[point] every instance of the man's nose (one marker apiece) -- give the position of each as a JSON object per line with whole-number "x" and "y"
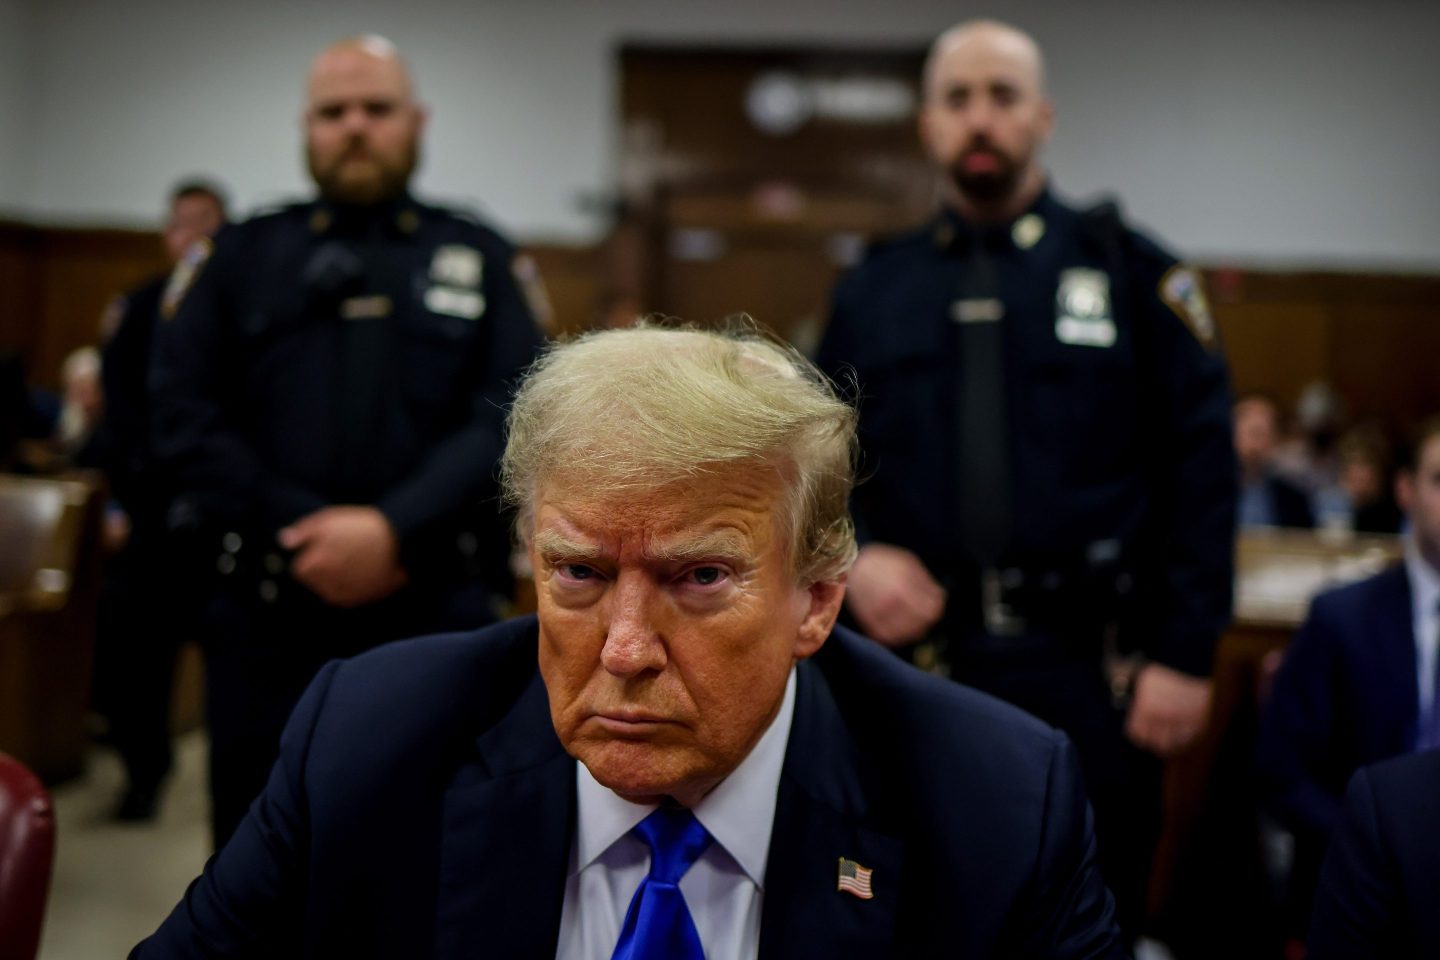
{"x": 980, "y": 115}
{"x": 355, "y": 121}
{"x": 633, "y": 643}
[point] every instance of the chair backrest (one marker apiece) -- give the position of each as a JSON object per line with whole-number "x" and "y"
{"x": 40, "y": 526}
{"x": 27, "y": 849}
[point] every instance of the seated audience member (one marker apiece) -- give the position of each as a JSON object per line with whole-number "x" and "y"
{"x": 82, "y": 406}
{"x": 1266, "y": 498}
{"x": 1365, "y": 482}
{"x": 751, "y": 780}
{"x": 1307, "y": 457}
{"x": 1380, "y": 884}
{"x": 1357, "y": 684}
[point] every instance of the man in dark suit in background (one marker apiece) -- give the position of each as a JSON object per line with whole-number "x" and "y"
{"x": 1380, "y": 884}
{"x": 148, "y": 603}
{"x": 749, "y": 782}
{"x": 1358, "y": 682}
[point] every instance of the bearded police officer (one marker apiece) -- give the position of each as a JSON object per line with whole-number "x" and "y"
{"x": 1044, "y": 415}
{"x": 329, "y": 392}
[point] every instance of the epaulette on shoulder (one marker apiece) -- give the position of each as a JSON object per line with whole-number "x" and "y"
{"x": 885, "y": 243}
{"x": 279, "y": 209}
{"x": 470, "y": 217}
{"x": 1103, "y": 222}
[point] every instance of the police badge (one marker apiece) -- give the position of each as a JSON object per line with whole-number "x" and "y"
{"x": 455, "y": 274}
{"x": 1083, "y": 316}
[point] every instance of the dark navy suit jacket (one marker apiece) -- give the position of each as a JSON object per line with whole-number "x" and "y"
{"x": 1345, "y": 696}
{"x": 422, "y": 806}
{"x": 1381, "y": 882}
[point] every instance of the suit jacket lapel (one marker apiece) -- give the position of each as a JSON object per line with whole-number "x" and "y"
{"x": 507, "y": 821}
{"x": 820, "y": 817}
{"x": 1395, "y": 634}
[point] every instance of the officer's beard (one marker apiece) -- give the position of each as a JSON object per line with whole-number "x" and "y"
{"x": 988, "y": 186}
{"x": 361, "y": 177}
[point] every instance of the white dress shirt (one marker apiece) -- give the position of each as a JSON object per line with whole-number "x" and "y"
{"x": 1425, "y": 611}
{"x": 723, "y": 890}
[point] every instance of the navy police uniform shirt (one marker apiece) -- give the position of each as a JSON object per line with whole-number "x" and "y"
{"x": 1116, "y": 400}
{"x": 325, "y": 355}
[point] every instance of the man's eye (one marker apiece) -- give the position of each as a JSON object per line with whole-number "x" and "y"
{"x": 577, "y": 571}
{"x": 707, "y": 576}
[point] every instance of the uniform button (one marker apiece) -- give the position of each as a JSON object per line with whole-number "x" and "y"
{"x": 269, "y": 592}
{"x": 225, "y": 563}
{"x": 232, "y": 542}
{"x": 274, "y": 564}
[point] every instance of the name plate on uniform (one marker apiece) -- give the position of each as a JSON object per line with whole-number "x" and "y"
{"x": 1085, "y": 333}
{"x": 987, "y": 310}
{"x": 465, "y": 304}
{"x": 365, "y": 308}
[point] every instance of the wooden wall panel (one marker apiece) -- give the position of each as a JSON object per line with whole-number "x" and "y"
{"x": 572, "y": 278}
{"x": 1276, "y": 348}
{"x": 19, "y": 287}
{"x": 83, "y": 270}
{"x": 1385, "y": 360}
{"x": 1373, "y": 337}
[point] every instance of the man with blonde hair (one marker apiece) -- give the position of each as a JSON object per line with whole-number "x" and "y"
{"x": 327, "y": 394}
{"x": 680, "y": 756}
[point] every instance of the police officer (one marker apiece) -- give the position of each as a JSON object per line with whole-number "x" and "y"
{"x": 1044, "y": 416}
{"x": 330, "y": 390}
{"x": 147, "y": 602}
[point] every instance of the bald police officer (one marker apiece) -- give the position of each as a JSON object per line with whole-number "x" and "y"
{"x": 1044, "y": 413}
{"x": 329, "y": 391}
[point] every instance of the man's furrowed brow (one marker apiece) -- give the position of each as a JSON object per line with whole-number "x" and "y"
{"x": 550, "y": 544}
{"x": 727, "y": 545}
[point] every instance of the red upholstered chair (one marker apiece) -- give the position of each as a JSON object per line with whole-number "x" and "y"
{"x": 27, "y": 847}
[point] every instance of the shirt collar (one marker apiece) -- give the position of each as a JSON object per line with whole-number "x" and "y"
{"x": 1424, "y": 579}
{"x": 739, "y": 813}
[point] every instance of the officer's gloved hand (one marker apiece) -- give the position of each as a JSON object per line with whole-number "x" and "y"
{"x": 892, "y": 595}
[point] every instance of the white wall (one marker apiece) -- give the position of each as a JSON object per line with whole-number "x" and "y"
{"x": 16, "y": 30}
{"x": 1281, "y": 131}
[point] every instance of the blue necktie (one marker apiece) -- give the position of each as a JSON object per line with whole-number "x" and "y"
{"x": 658, "y": 926}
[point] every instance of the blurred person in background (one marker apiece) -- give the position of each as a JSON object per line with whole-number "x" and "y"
{"x": 148, "y": 604}
{"x": 1360, "y": 499}
{"x": 329, "y": 394}
{"x": 1358, "y": 684}
{"x": 1267, "y": 499}
{"x": 82, "y": 405}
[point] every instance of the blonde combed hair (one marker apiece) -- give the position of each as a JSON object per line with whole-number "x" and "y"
{"x": 628, "y": 411}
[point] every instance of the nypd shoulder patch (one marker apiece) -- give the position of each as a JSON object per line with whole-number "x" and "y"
{"x": 1182, "y": 290}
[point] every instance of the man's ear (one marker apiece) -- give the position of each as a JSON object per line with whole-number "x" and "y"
{"x": 1047, "y": 119}
{"x": 824, "y": 598}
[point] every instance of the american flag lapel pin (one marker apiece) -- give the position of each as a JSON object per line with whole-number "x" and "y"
{"x": 854, "y": 879}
